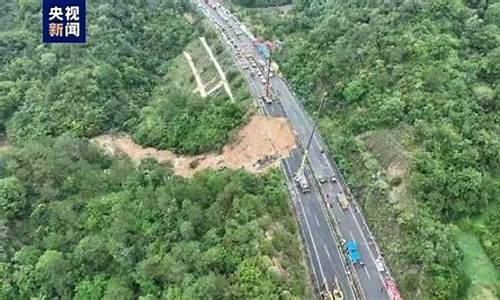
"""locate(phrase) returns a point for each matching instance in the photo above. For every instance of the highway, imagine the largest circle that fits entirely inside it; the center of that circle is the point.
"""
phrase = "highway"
(327, 261)
(324, 224)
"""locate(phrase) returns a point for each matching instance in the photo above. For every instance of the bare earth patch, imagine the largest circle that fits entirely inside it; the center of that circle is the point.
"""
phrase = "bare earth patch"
(399, 193)
(386, 147)
(257, 146)
(189, 18)
(3, 145)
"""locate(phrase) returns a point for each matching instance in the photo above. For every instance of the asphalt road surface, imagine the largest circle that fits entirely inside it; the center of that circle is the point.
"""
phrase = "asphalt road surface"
(323, 222)
(326, 260)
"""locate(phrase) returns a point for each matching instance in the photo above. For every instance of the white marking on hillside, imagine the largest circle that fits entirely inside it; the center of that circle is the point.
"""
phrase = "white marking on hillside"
(199, 85)
(215, 88)
(218, 67)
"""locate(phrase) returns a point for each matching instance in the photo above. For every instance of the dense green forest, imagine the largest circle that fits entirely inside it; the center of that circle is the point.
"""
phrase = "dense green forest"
(261, 3)
(85, 89)
(380, 77)
(111, 83)
(76, 223)
(417, 81)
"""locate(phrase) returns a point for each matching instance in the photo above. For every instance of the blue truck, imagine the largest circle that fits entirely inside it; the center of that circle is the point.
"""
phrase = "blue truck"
(352, 250)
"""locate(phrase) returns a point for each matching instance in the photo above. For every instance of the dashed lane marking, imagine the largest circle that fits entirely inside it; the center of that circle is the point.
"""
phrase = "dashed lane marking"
(327, 253)
(317, 221)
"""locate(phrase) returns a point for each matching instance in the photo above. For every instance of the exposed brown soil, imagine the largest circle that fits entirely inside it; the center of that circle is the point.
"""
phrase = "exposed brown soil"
(398, 169)
(256, 147)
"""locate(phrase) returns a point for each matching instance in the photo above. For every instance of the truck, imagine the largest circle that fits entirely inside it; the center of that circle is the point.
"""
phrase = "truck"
(332, 293)
(212, 4)
(266, 99)
(352, 250)
(301, 181)
(344, 204)
(251, 60)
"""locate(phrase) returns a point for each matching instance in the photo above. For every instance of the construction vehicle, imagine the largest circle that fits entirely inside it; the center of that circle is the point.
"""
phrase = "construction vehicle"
(337, 294)
(263, 48)
(301, 181)
(344, 204)
(266, 99)
(332, 294)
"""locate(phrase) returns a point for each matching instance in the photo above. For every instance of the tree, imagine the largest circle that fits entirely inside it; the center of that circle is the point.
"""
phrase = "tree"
(251, 280)
(53, 274)
(117, 289)
(12, 197)
(90, 289)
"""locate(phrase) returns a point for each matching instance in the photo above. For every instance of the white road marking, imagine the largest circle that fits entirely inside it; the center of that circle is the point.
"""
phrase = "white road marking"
(308, 211)
(285, 163)
(314, 245)
(332, 234)
(312, 158)
(309, 231)
(367, 273)
(317, 221)
(366, 242)
(327, 253)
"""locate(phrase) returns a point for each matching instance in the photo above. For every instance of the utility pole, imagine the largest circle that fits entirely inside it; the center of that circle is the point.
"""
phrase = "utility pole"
(306, 151)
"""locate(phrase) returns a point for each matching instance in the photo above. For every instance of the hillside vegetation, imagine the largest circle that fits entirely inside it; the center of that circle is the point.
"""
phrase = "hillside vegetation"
(123, 79)
(178, 118)
(78, 224)
(75, 223)
(261, 3)
(91, 88)
(427, 70)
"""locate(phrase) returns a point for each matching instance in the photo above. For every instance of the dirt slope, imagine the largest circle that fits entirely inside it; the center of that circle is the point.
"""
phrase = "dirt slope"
(257, 146)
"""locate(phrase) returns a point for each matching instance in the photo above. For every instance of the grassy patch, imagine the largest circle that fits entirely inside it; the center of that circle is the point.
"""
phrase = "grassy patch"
(386, 145)
(181, 119)
(180, 76)
(484, 277)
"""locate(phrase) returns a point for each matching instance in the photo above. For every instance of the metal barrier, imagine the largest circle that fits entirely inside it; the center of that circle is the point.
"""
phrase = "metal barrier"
(343, 185)
(351, 272)
(301, 233)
